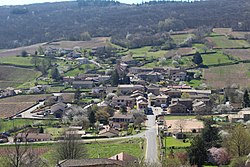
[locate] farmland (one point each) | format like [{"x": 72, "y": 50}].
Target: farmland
[
  {"x": 16, "y": 60},
  {"x": 14, "y": 76},
  {"x": 12, "y": 105},
  {"x": 222, "y": 76},
  {"x": 179, "y": 38},
  {"x": 217, "y": 58},
  {"x": 242, "y": 54}
]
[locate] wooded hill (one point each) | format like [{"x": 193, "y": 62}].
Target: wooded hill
[{"x": 25, "y": 25}]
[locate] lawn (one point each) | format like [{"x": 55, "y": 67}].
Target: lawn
[
  {"x": 223, "y": 42},
  {"x": 105, "y": 149},
  {"x": 171, "y": 141},
  {"x": 83, "y": 68},
  {"x": 217, "y": 58},
  {"x": 16, "y": 60},
  {"x": 15, "y": 76},
  {"x": 171, "y": 117},
  {"x": 179, "y": 38},
  {"x": 219, "y": 77},
  {"x": 195, "y": 83}
]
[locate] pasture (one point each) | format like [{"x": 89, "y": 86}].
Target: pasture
[
  {"x": 217, "y": 58},
  {"x": 222, "y": 42}
]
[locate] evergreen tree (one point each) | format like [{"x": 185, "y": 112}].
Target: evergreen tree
[
  {"x": 92, "y": 118},
  {"x": 114, "y": 78},
  {"x": 55, "y": 74},
  {"x": 246, "y": 100},
  {"x": 210, "y": 134},
  {"x": 197, "y": 59},
  {"x": 77, "y": 95},
  {"x": 197, "y": 152}
]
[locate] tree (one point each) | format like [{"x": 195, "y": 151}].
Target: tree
[
  {"x": 55, "y": 74},
  {"x": 70, "y": 148},
  {"x": 114, "y": 78},
  {"x": 22, "y": 155},
  {"x": 24, "y": 53},
  {"x": 35, "y": 60},
  {"x": 219, "y": 156},
  {"x": 81, "y": 121},
  {"x": 246, "y": 100},
  {"x": 197, "y": 59},
  {"x": 85, "y": 36},
  {"x": 92, "y": 118},
  {"x": 102, "y": 116},
  {"x": 238, "y": 141},
  {"x": 181, "y": 123},
  {"x": 77, "y": 95},
  {"x": 210, "y": 134},
  {"x": 123, "y": 109},
  {"x": 197, "y": 152}
]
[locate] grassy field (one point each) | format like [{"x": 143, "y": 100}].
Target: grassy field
[
  {"x": 16, "y": 60},
  {"x": 105, "y": 149},
  {"x": 195, "y": 83},
  {"x": 223, "y": 42},
  {"x": 219, "y": 77},
  {"x": 213, "y": 59},
  {"x": 179, "y": 38},
  {"x": 80, "y": 70},
  {"x": 14, "y": 76},
  {"x": 171, "y": 141}
]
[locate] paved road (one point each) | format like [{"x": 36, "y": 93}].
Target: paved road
[{"x": 151, "y": 137}]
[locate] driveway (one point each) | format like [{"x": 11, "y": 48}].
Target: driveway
[{"x": 28, "y": 113}]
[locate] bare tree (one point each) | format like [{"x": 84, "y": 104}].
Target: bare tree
[
  {"x": 22, "y": 155},
  {"x": 71, "y": 148},
  {"x": 181, "y": 123}
]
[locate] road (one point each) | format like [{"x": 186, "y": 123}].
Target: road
[{"x": 151, "y": 137}]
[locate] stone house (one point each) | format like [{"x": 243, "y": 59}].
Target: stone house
[
  {"x": 123, "y": 101},
  {"x": 177, "y": 108}
]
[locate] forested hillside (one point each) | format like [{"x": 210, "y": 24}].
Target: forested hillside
[{"x": 25, "y": 25}]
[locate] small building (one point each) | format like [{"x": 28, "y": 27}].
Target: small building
[
  {"x": 128, "y": 89},
  {"x": 177, "y": 108},
  {"x": 123, "y": 101},
  {"x": 109, "y": 133},
  {"x": 122, "y": 118},
  {"x": 58, "y": 109},
  {"x": 180, "y": 76},
  {"x": 158, "y": 100},
  {"x": 82, "y": 84},
  {"x": 141, "y": 105},
  {"x": 33, "y": 137},
  {"x": 186, "y": 102}
]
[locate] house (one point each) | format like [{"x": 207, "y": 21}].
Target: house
[
  {"x": 68, "y": 79},
  {"x": 128, "y": 59},
  {"x": 124, "y": 157},
  {"x": 109, "y": 132},
  {"x": 123, "y": 101},
  {"x": 177, "y": 108},
  {"x": 33, "y": 137},
  {"x": 58, "y": 109},
  {"x": 180, "y": 76},
  {"x": 172, "y": 93},
  {"x": 141, "y": 105},
  {"x": 172, "y": 71},
  {"x": 158, "y": 100},
  {"x": 244, "y": 115},
  {"x": 154, "y": 90},
  {"x": 90, "y": 162},
  {"x": 128, "y": 89},
  {"x": 136, "y": 70},
  {"x": 186, "y": 102},
  {"x": 119, "y": 160},
  {"x": 8, "y": 92},
  {"x": 82, "y": 84},
  {"x": 150, "y": 76},
  {"x": 122, "y": 118},
  {"x": 201, "y": 107}
]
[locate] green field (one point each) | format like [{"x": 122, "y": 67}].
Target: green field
[
  {"x": 171, "y": 141},
  {"x": 195, "y": 83},
  {"x": 14, "y": 76},
  {"x": 224, "y": 42},
  {"x": 83, "y": 68},
  {"x": 16, "y": 60},
  {"x": 179, "y": 38},
  {"x": 106, "y": 149},
  {"x": 217, "y": 58}
]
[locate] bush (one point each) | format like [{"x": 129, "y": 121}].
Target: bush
[{"x": 238, "y": 162}]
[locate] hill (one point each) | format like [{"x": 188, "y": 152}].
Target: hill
[{"x": 31, "y": 24}]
